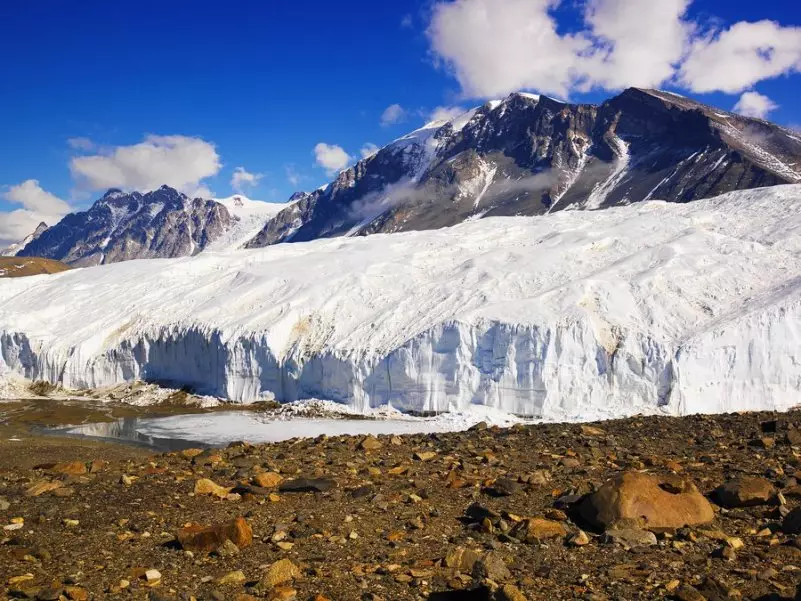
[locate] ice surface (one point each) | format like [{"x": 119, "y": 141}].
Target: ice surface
[{"x": 680, "y": 308}]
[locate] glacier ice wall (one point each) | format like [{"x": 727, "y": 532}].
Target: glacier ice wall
[
  {"x": 679, "y": 308},
  {"x": 555, "y": 372}
]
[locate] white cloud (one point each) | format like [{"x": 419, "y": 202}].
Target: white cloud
[
  {"x": 393, "y": 114},
  {"x": 242, "y": 179},
  {"x": 80, "y": 143},
  {"x": 368, "y": 150},
  {"x": 754, "y": 104},
  {"x": 331, "y": 157},
  {"x": 178, "y": 161},
  {"x": 497, "y": 46},
  {"x": 744, "y": 54},
  {"x": 494, "y": 47},
  {"x": 635, "y": 43},
  {"x": 445, "y": 113},
  {"x": 37, "y": 205}
]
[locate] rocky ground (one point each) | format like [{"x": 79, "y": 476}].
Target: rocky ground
[{"x": 646, "y": 508}]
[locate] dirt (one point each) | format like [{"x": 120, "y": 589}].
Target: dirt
[{"x": 400, "y": 519}]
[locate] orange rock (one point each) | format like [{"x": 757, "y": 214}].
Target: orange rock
[
  {"x": 267, "y": 479},
  {"x": 72, "y": 468},
  {"x": 207, "y": 539},
  {"x": 651, "y": 502},
  {"x": 533, "y": 529},
  {"x": 204, "y": 486},
  {"x": 41, "y": 487}
]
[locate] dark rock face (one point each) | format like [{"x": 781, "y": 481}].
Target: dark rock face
[
  {"x": 120, "y": 227},
  {"x": 530, "y": 155}
]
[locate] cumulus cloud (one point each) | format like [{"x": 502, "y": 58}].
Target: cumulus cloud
[
  {"x": 368, "y": 150},
  {"x": 735, "y": 59},
  {"x": 38, "y": 205},
  {"x": 445, "y": 113},
  {"x": 331, "y": 157},
  {"x": 754, "y": 104},
  {"x": 242, "y": 179},
  {"x": 393, "y": 114},
  {"x": 494, "y": 47},
  {"x": 80, "y": 143},
  {"x": 178, "y": 161}
]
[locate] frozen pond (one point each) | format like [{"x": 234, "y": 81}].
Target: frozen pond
[{"x": 220, "y": 428}]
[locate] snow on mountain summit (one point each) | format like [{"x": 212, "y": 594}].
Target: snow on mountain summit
[{"x": 653, "y": 306}]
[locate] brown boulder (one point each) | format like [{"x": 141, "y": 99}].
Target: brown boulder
[
  {"x": 652, "y": 502},
  {"x": 745, "y": 492},
  {"x": 206, "y": 539},
  {"x": 204, "y": 486}
]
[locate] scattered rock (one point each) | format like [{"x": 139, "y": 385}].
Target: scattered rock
[
  {"x": 370, "y": 443},
  {"x": 502, "y": 487},
  {"x": 41, "y": 487},
  {"x": 461, "y": 559},
  {"x": 491, "y": 567},
  {"x": 205, "y": 486},
  {"x": 629, "y": 537},
  {"x": 745, "y": 492},
  {"x": 267, "y": 479},
  {"x": 279, "y": 572},
  {"x": 207, "y": 539},
  {"x": 232, "y": 578},
  {"x": 307, "y": 485},
  {"x": 531, "y": 530}
]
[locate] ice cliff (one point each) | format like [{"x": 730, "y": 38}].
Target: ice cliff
[{"x": 578, "y": 314}]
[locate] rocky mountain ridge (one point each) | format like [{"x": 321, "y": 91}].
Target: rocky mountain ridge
[
  {"x": 123, "y": 226},
  {"x": 529, "y": 155}
]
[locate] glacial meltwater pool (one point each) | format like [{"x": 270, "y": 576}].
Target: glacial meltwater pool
[{"x": 219, "y": 428}]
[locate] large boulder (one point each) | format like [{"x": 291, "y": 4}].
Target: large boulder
[{"x": 647, "y": 501}]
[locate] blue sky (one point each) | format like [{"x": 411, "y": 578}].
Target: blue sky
[{"x": 267, "y": 82}]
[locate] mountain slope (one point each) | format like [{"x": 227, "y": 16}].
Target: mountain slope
[
  {"x": 16, "y": 267},
  {"x": 13, "y": 249},
  {"x": 677, "y": 307},
  {"x": 529, "y": 155},
  {"x": 122, "y": 226}
]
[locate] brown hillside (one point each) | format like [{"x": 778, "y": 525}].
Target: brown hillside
[{"x": 15, "y": 267}]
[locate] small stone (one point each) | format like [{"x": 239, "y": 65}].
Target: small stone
[
  {"x": 425, "y": 455},
  {"x": 689, "y": 593},
  {"x": 207, "y": 539},
  {"x": 534, "y": 529},
  {"x": 73, "y": 468},
  {"x": 41, "y": 487},
  {"x": 587, "y": 430},
  {"x": 579, "y": 539},
  {"x": 70, "y": 523},
  {"x": 370, "y": 443},
  {"x": 152, "y": 576},
  {"x": 307, "y": 485},
  {"x": 745, "y": 492},
  {"x": 76, "y": 593},
  {"x": 279, "y": 572},
  {"x": 204, "y": 486},
  {"x": 502, "y": 487},
  {"x": 227, "y": 549},
  {"x": 267, "y": 479},
  {"x": 491, "y": 567},
  {"x": 629, "y": 537},
  {"x": 127, "y": 480},
  {"x": 461, "y": 559},
  {"x": 231, "y": 578},
  {"x": 509, "y": 592}
]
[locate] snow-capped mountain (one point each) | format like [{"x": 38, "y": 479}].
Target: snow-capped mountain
[
  {"x": 528, "y": 155},
  {"x": 654, "y": 306},
  {"x": 158, "y": 224},
  {"x": 12, "y": 250}
]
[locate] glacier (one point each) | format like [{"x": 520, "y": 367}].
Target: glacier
[{"x": 655, "y": 306}]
